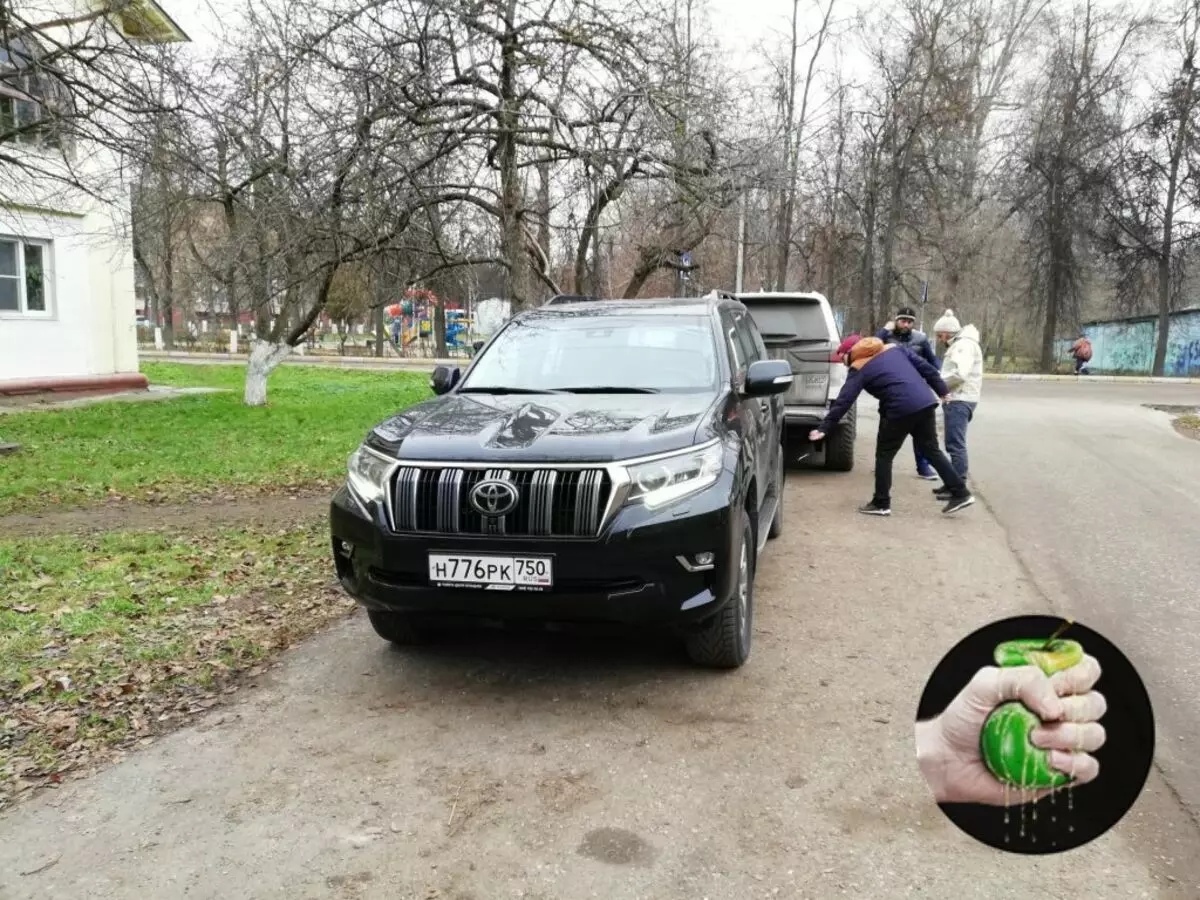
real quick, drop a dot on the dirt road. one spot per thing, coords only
(557, 768)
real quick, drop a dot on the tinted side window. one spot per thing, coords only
(737, 356)
(747, 347)
(760, 347)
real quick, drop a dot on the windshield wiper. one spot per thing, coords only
(501, 389)
(607, 389)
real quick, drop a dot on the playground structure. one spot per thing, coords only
(413, 319)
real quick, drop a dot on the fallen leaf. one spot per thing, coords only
(23, 609)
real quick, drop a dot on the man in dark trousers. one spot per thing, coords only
(901, 381)
(902, 331)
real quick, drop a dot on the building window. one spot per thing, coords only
(35, 106)
(24, 278)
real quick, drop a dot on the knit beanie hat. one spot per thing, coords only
(847, 345)
(865, 351)
(947, 323)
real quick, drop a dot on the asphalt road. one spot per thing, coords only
(1100, 499)
(556, 768)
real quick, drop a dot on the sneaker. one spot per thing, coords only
(942, 493)
(957, 503)
(875, 509)
(928, 474)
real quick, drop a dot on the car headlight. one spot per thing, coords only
(367, 474)
(655, 484)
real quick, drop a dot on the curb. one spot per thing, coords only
(335, 361)
(1108, 379)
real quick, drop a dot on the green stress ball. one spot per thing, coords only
(1004, 741)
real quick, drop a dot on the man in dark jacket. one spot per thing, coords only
(902, 381)
(902, 331)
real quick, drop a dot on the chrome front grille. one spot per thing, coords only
(550, 502)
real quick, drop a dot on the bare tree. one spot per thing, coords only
(1155, 166)
(1073, 128)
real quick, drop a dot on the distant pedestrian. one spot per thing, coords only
(962, 370)
(902, 330)
(396, 331)
(902, 382)
(1081, 350)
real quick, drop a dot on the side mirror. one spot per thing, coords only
(767, 377)
(444, 378)
(477, 346)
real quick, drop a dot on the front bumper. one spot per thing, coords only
(629, 575)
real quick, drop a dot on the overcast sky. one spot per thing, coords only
(740, 25)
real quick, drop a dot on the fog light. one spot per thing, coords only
(697, 562)
(346, 549)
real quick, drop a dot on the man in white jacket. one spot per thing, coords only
(962, 370)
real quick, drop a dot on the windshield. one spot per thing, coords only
(618, 352)
(790, 320)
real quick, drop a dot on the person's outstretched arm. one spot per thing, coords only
(845, 399)
(928, 372)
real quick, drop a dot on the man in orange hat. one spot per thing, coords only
(902, 382)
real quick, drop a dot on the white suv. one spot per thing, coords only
(800, 328)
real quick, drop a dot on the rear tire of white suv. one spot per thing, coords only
(839, 446)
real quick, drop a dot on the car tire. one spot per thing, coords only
(776, 528)
(839, 446)
(724, 641)
(399, 628)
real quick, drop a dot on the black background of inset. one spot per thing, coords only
(1124, 759)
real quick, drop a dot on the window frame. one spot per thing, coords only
(23, 311)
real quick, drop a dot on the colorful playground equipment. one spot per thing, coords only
(412, 320)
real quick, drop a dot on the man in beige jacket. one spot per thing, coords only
(962, 370)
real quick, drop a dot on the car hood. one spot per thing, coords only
(544, 427)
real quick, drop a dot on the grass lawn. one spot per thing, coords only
(108, 639)
(177, 449)
(1188, 426)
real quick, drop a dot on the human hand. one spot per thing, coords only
(948, 746)
(816, 435)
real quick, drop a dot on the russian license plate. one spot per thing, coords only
(490, 572)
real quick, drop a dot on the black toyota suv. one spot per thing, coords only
(611, 463)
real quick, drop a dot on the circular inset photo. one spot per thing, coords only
(1035, 734)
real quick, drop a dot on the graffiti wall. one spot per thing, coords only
(1127, 346)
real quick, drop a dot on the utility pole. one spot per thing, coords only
(741, 247)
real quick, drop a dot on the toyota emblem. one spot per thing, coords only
(494, 498)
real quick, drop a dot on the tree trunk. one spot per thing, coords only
(543, 229)
(380, 336)
(868, 261)
(264, 357)
(1060, 263)
(511, 202)
(1168, 228)
(439, 329)
(889, 245)
(793, 137)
